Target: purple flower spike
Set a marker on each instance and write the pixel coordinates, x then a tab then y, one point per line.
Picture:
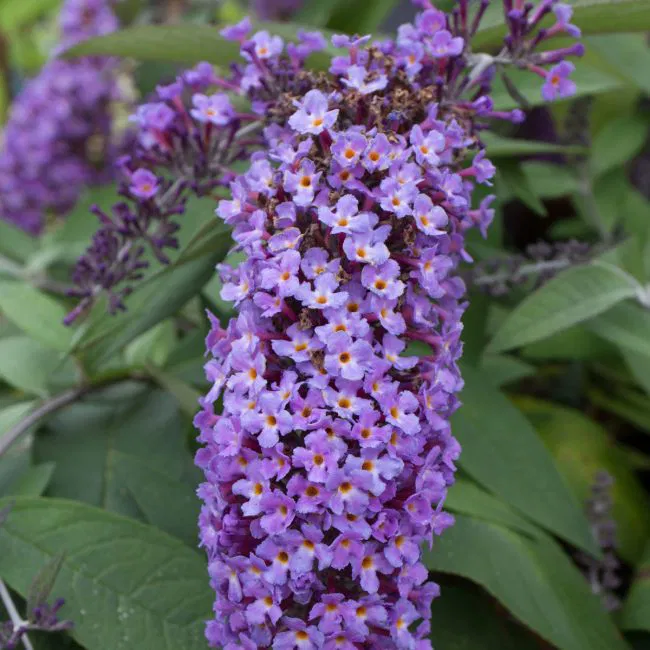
47	158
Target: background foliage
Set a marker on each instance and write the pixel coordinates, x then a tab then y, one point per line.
557	376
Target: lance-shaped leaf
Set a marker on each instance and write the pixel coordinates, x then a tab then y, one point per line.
571	297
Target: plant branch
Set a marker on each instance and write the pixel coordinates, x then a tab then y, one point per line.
60	401
17	621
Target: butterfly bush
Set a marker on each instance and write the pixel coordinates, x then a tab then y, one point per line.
57	136
328	465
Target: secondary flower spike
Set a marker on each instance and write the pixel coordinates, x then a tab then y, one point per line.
328	467
56	140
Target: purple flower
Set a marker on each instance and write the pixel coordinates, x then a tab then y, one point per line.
266	46
428	217
347	218
563	13
144	184
303	183
347	358
323	294
238	32
382	280
557	82
442	44
215	109
312	115
347	148
366	83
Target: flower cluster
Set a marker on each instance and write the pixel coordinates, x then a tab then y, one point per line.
603	575
329	465
498	276
44	618
56	140
186	138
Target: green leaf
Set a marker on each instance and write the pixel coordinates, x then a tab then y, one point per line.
592	16
589	77
467	498
581	447
126	585
137	445
11	415
186	396
33	482
35	313
626	325
636	613
624	405
550	181
516	184
14	243
181	43
33	368
151	302
639	365
573	296
498	147
43	582
360	16
503	369
317	13
502	452
466	618
154	346
628	55
15	15
619	141
187	43
533	579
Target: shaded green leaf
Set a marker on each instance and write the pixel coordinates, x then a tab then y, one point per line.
502	369
617	142
151	302
533	579
32	367
186	396
498	146
33	481
512	178
125	584
466	618
582	447
573	296
498	443
187	43
467	498
628	54
35	313
137	445
549	180
636	613
626	325
41	586
14	243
